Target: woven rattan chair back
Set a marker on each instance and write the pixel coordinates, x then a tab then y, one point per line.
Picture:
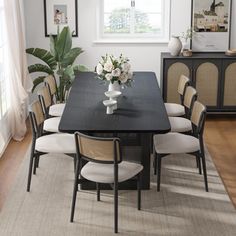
51	83
183	82
197	113
98	149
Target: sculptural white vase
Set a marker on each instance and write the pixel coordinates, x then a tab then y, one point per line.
175	46
115	86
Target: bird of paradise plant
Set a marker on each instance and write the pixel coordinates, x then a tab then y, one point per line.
58	62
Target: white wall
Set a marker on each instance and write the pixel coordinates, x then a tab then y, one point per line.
142	56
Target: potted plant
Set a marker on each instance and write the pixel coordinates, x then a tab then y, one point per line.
58	62
186	36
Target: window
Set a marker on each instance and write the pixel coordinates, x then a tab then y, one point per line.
3	64
134	19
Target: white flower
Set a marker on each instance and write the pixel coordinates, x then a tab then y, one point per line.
123	78
126	67
108	66
108	76
116	72
99	69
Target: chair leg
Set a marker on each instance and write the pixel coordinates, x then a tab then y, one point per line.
30	168
155	162
158	172
36	163
75	191
198	160
116	208
139	191
74	163
204	170
98	191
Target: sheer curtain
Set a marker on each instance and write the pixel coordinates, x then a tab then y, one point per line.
19	82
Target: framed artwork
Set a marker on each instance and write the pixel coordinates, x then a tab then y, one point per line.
211	24
60	13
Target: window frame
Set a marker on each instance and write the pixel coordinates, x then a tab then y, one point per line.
133	38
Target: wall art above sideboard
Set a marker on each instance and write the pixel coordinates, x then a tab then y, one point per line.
211	22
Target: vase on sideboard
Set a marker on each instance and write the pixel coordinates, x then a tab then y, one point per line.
175	46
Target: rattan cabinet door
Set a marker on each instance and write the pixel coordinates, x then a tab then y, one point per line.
207	74
173	70
229	86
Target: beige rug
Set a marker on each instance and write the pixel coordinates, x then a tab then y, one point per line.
181	208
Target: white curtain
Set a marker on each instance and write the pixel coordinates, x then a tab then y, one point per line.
19	81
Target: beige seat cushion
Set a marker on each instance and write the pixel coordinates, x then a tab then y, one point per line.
56	143
171	143
51	124
174	109
56	109
104	173
180	124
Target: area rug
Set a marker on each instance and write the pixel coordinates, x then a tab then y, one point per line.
182	207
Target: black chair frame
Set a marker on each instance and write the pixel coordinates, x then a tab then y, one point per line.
79	179
200	155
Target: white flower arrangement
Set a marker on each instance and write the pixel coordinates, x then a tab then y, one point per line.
111	69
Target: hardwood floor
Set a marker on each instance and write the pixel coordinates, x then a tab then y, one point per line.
220	137
10	162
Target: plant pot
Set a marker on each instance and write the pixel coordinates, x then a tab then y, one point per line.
175	46
115	86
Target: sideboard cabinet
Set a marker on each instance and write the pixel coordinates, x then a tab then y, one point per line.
212	74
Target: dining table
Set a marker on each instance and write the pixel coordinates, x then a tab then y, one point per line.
141	113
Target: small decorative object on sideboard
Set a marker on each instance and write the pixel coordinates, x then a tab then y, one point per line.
231	53
175	46
187	53
117	72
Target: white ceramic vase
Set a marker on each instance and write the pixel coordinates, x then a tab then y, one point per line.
115	86
175	46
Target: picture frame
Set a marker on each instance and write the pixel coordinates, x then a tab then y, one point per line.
62	13
211	23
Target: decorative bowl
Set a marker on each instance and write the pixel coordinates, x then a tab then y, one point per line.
112	94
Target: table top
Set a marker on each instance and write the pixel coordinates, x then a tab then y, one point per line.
140	107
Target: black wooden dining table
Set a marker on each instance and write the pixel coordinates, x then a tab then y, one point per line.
140	114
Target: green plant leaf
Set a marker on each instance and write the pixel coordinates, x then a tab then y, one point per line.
70	57
40	68
37	81
69	73
53	41
64	43
43	55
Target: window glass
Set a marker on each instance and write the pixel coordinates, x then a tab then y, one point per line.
135	18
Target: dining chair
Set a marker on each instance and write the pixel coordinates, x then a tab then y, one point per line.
105	165
49	108
173	143
50	123
174	109
183	124
57	143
